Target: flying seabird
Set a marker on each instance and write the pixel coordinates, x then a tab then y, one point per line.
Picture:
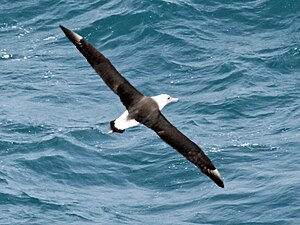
142	109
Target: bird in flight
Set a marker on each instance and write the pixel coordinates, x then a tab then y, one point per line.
141	109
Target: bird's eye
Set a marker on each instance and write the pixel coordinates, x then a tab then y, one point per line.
169	98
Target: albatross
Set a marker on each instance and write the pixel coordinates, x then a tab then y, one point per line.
141	109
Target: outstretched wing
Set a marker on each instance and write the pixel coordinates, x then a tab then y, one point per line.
128	94
184	146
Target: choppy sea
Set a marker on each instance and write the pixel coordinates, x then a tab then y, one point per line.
235	65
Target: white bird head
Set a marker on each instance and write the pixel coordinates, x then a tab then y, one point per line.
164	99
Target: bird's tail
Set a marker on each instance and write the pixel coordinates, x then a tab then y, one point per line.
113	127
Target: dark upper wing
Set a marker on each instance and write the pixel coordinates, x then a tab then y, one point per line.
117	83
184	146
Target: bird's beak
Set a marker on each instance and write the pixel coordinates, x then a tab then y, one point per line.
173	99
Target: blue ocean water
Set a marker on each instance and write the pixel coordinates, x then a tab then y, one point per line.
235	65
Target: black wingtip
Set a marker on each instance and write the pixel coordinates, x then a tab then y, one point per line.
65	30
220	183
72	36
215	176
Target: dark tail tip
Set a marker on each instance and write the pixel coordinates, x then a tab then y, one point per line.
114	129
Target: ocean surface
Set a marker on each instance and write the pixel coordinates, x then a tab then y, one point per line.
234	65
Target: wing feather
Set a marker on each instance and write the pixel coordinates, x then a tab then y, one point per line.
191	151
128	94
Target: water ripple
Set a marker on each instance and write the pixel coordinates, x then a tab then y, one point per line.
233	64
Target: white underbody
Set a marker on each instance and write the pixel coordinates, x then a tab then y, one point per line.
123	122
